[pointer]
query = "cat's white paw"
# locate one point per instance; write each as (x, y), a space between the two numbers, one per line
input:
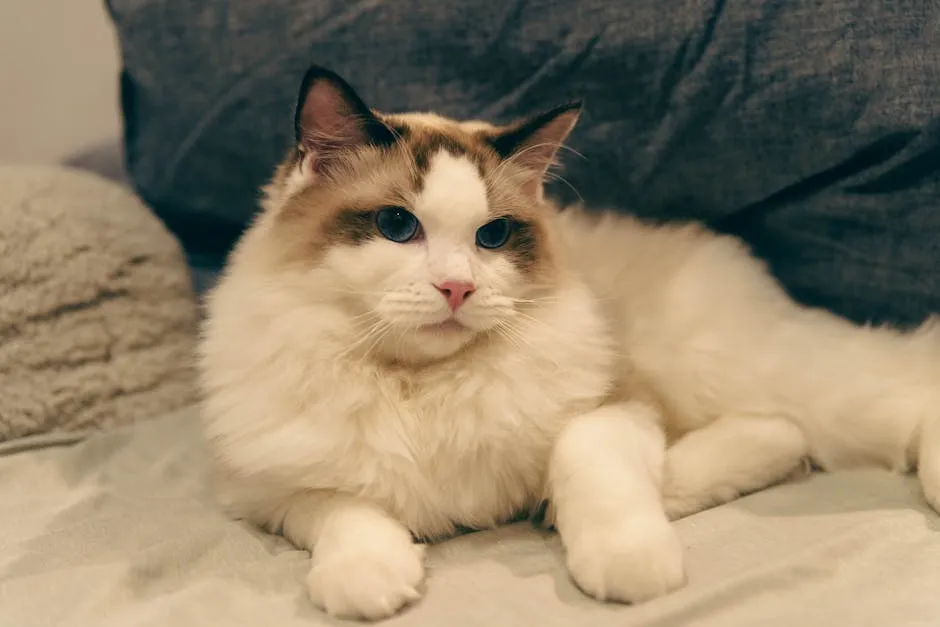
(368, 581)
(631, 560)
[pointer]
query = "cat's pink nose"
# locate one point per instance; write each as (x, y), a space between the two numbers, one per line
(456, 292)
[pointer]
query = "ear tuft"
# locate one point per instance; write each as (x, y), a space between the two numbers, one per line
(330, 117)
(534, 142)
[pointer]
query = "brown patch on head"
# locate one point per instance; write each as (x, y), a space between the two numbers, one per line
(425, 135)
(351, 227)
(338, 208)
(530, 247)
(528, 250)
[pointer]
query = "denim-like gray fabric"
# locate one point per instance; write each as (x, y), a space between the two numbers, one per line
(810, 128)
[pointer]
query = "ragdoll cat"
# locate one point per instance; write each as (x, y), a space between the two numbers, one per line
(410, 338)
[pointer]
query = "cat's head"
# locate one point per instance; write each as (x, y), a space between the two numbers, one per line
(429, 230)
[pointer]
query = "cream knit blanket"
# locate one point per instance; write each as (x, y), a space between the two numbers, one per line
(97, 313)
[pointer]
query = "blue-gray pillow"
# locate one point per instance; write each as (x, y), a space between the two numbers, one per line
(811, 129)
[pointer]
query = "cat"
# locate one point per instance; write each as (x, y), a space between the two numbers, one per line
(411, 339)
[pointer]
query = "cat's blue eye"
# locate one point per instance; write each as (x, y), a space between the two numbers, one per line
(494, 234)
(396, 224)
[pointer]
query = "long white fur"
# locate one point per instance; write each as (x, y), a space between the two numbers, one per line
(649, 335)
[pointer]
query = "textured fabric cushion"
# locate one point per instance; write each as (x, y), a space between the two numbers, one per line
(812, 129)
(96, 310)
(120, 530)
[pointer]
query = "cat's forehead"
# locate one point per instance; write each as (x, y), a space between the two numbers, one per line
(452, 159)
(426, 135)
(452, 192)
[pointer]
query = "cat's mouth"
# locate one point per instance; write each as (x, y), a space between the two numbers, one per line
(451, 325)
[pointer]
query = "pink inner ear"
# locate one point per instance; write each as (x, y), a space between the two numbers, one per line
(328, 121)
(533, 144)
(537, 152)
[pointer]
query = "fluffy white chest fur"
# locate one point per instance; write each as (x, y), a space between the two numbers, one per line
(410, 339)
(298, 405)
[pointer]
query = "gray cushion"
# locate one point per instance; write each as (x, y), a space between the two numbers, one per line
(812, 129)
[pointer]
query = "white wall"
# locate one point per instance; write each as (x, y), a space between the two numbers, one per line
(58, 79)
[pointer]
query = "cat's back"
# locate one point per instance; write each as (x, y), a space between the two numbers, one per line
(635, 267)
(690, 309)
(610, 248)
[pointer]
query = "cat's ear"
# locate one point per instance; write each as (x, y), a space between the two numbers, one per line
(533, 143)
(331, 118)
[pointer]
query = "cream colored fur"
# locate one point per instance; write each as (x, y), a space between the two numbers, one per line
(647, 335)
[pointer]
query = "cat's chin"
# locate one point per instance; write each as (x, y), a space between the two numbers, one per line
(432, 342)
(448, 326)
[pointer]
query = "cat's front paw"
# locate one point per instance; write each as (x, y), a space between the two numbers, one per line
(367, 582)
(630, 560)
